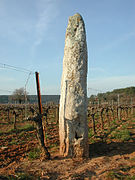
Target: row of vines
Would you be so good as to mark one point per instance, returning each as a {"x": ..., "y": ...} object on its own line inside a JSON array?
[{"x": 18, "y": 134}]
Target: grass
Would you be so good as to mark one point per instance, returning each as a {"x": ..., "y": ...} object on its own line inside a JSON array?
[
  {"x": 114, "y": 122},
  {"x": 27, "y": 127},
  {"x": 130, "y": 178},
  {"x": 115, "y": 174},
  {"x": 90, "y": 133},
  {"x": 125, "y": 126},
  {"x": 1, "y": 132},
  {"x": 133, "y": 120},
  {"x": 91, "y": 136},
  {"x": 123, "y": 135},
  {"x": 27, "y": 135},
  {"x": 34, "y": 154},
  {"x": 112, "y": 175},
  {"x": 54, "y": 145},
  {"x": 13, "y": 142},
  {"x": 23, "y": 176},
  {"x": 18, "y": 176},
  {"x": 132, "y": 159}
]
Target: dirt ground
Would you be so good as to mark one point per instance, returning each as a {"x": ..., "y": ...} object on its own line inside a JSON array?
[{"x": 112, "y": 157}]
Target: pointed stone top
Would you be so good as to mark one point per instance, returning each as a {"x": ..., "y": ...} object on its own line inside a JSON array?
[
  {"x": 75, "y": 27},
  {"x": 75, "y": 17}
]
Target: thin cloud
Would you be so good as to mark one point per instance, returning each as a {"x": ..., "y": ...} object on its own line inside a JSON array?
[
  {"x": 22, "y": 27},
  {"x": 47, "y": 12},
  {"x": 96, "y": 69},
  {"x": 2, "y": 9},
  {"x": 14, "y": 24},
  {"x": 110, "y": 83},
  {"x": 118, "y": 41},
  {"x": 4, "y": 79}
]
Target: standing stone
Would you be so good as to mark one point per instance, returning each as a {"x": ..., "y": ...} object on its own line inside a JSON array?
[{"x": 73, "y": 128}]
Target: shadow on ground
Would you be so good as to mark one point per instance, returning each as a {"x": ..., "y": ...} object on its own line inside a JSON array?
[{"x": 115, "y": 148}]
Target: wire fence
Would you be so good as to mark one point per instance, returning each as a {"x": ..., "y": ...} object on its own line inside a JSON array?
[
  {"x": 28, "y": 73},
  {"x": 27, "y": 82}
]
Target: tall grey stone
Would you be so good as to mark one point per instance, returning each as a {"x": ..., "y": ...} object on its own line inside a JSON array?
[{"x": 73, "y": 128}]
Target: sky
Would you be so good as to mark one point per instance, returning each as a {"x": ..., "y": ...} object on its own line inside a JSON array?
[{"x": 32, "y": 36}]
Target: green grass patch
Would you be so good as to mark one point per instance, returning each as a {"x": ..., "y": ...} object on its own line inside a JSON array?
[
  {"x": 21, "y": 134},
  {"x": 12, "y": 130},
  {"x": 13, "y": 142},
  {"x": 54, "y": 145},
  {"x": 114, "y": 122},
  {"x": 91, "y": 136},
  {"x": 130, "y": 178},
  {"x": 1, "y": 132},
  {"x": 90, "y": 133},
  {"x": 123, "y": 135},
  {"x": 133, "y": 115},
  {"x": 27, "y": 127},
  {"x": 92, "y": 141},
  {"x": 97, "y": 116},
  {"x": 34, "y": 154},
  {"x": 124, "y": 126},
  {"x": 18, "y": 176},
  {"x": 133, "y": 120},
  {"x": 9, "y": 131},
  {"x": 132, "y": 159},
  {"x": 23, "y": 176},
  {"x": 26, "y": 135},
  {"x": 115, "y": 175},
  {"x": 46, "y": 136}
]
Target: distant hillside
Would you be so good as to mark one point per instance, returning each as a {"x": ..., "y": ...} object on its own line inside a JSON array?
[
  {"x": 125, "y": 95},
  {"x": 4, "y": 99}
]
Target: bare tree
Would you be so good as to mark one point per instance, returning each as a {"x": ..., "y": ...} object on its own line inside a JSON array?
[{"x": 19, "y": 95}]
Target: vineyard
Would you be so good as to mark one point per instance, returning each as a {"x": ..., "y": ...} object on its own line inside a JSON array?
[{"x": 111, "y": 144}]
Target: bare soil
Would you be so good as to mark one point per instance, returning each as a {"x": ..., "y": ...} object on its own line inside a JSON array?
[{"x": 111, "y": 156}]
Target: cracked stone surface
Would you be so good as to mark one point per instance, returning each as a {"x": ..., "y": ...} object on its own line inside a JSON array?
[{"x": 73, "y": 130}]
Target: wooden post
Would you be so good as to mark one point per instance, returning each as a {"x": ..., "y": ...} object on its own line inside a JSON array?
[
  {"x": 14, "y": 112},
  {"x": 93, "y": 122},
  {"x": 39, "y": 123},
  {"x": 101, "y": 118},
  {"x": 38, "y": 93},
  {"x": 107, "y": 115},
  {"x": 57, "y": 114}
]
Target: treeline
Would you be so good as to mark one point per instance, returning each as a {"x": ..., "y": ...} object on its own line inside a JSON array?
[
  {"x": 5, "y": 99},
  {"x": 123, "y": 96}
]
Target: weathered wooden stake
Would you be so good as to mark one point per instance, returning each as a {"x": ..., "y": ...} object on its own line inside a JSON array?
[
  {"x": 38, "y": 93},
  {"x": 15, "y": 115},
  {"x": 57, "y": 114},
  {"x": 39, "y": 123},
  {"x": 93, "y": 123},
  {"x": 101, "y": 118},
  {"x": 107, "y": 115}
]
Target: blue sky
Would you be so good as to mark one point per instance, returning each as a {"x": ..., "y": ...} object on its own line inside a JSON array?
[{"x": 32, "y": 35}]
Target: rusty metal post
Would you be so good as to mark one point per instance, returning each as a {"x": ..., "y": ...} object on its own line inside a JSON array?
[
  {"x": 38, "y": 93},
  {"x": 39, "y": 123}
]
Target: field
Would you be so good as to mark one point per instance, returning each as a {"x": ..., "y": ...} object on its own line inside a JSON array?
[{"x": 111, "y": 145}]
